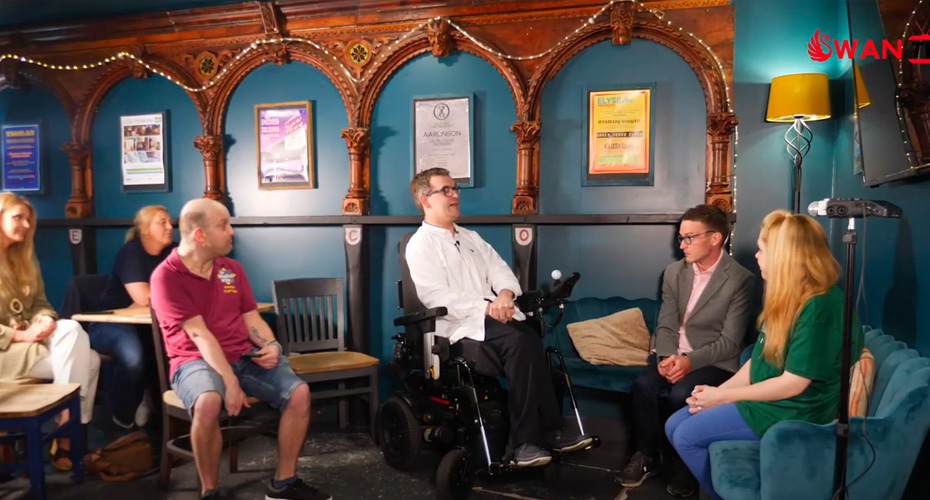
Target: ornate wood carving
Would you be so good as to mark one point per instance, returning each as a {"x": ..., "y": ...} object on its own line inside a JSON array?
[
  {"x": 719, "y": 190},
  {"x": 206, "y": 64},
  {"x": 524, "y": 200},
  {"x": 271, "y": 18},
  {"x": 621, "y": 22},
  {"x": 357, "y": 142},
  {"x": 211, "y": 148},
  {"x": 80, "y": 203},
  {"x": 437, "y": 31},
  {"x": 9, "y": 72}
]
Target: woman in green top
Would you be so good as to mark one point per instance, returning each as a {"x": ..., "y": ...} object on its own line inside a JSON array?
[{"x": 794, "y": 372}]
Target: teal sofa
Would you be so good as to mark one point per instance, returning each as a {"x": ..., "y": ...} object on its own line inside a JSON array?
[
  {"x": 584, "y": 374},
  {"x": 794, "y": 460}
]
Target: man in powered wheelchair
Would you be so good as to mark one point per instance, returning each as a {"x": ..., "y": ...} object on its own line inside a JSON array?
[{"x": 462, "y": 330}]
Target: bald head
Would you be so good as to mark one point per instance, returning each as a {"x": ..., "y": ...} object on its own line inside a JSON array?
[{"x": 198, "y": 214}]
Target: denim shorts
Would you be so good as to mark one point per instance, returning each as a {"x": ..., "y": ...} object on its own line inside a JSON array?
[{"x": 273, "y": 386}]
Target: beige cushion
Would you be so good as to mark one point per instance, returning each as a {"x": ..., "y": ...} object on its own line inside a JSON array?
[
  {"x": 861, "y": 379},
  {"x": 618, "y": 339}
]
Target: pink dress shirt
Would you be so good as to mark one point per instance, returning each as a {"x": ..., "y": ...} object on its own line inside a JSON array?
[{"x": 701, "y": 278}]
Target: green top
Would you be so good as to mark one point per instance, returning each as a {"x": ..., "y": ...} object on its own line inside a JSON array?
[{"x": 812, "y": 352}]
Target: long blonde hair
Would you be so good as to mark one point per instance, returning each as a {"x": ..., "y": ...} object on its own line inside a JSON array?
[
  {"x": 144, "y": 218},
  {"x": 798, "y": 266},
  {"x": 19, "y": 274}
]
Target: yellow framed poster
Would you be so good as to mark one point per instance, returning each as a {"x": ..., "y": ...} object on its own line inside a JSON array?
[{"x": 619, "y": 140}]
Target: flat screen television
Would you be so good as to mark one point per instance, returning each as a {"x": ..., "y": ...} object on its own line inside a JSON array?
[{"x": 891, "y": 43}]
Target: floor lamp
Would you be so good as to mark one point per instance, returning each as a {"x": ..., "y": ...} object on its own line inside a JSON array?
[{"x": 797, "y": 99}]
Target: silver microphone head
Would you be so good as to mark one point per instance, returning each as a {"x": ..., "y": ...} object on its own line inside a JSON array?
[{"x": 556, "y": 274}]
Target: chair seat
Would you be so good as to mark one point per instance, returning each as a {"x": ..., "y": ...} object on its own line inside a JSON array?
[
  {"x": 734, "y": 467},
  {"x": 334, "y": 361},
  {"x": 171, "y": 398}
]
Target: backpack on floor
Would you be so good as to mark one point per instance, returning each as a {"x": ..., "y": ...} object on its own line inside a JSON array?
[{"x": 125, "y": 459}]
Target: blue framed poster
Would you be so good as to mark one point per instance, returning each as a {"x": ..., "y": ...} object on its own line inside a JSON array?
[{"x": 21, "y": 170}]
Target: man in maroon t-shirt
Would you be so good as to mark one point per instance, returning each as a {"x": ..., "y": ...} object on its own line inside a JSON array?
[{"x": 209, "y": 320}]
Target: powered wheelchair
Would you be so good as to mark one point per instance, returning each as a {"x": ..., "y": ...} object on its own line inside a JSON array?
[{"x": 452, "y": 399}]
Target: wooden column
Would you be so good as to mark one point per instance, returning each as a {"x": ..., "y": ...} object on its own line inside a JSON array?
[
  {"x": 357, "y": 142},
  {"x": 719, "y": 134},
  {"x": 80, "y": 203},
  {"x": 211, "y": 147},
  {"x": 524, "y": 200}
]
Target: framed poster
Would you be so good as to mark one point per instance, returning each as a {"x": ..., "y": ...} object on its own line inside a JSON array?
[
  {"x": 144, "y": 156},
  {"x": 618, "y": 147},
  {"x": 283, "y": 136},
  {"x": 442, "y": 130},
  {"x": 22, "y": 165}
]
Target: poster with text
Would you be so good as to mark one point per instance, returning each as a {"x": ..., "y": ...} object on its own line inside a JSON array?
[
  {"x": 442, "y": 136},
  {"x": 283, "y": 137},
  {"x": 21, "y": 166},
  {"x": 619, "y": 125},
  {"x": 143, "y": 152}
]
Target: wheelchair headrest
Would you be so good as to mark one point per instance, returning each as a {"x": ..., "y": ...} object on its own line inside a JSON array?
[{"x": 409, "y": 297}]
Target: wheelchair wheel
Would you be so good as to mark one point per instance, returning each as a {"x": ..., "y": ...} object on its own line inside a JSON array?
[
  {"x": 455, "y": 475},
  {"x": 399, "y": 434}
]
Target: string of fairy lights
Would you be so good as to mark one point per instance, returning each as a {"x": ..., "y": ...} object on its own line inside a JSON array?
[
  {"x": 897, "y": 94},
  {"x": 275, "y": 40}
]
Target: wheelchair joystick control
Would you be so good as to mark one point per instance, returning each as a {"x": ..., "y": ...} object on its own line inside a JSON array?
[{"x": 556, "y": 275}]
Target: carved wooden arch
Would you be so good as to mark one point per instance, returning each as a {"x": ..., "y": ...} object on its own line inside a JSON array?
[
  {"x": 84, "y": 118},
  {"x": 51, "y": 85},
  {"x": 720, "y": 120},
  {"x": 914, "y": 93},
  {"x": 213, "y": 124},
  {"x": 420, "y": 44}
]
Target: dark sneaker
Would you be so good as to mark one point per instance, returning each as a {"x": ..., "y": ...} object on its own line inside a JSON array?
[
  {"x": 640, "y": 468},
  {"x": 298, "y": 490},
  {"x": 568, "y": 444},
  {"x": 530, "y": 455},
  {"x": 214, "y": 495},
  {"x": 682, "y": 483}
]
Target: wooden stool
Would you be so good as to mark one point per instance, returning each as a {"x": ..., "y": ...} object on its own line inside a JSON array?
[{"x": 24, "y": 408}]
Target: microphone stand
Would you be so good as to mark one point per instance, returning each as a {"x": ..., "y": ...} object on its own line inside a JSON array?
[{"x": 842, "y": 424}]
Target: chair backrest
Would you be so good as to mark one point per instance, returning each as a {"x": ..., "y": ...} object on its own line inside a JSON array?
[
  {"x": 884, "y": 373},
  {"x": 161, "y": 359},
  {"x": 83, "y": 294},
  {"x": 408, "y": 291},
  {"x": 310, "y": 314}
]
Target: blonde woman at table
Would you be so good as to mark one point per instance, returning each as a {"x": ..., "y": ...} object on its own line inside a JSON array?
[
  {"x": 148, "y": 242},
  {"x": 33, "y": 343}
]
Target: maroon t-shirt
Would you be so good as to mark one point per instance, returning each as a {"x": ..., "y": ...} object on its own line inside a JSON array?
[{"x": 178, "y": 295}]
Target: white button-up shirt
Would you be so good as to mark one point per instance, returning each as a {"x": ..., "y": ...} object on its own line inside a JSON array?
[{"x": 461, "y": 273}]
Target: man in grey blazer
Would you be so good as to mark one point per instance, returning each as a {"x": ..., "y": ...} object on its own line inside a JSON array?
[{"x": 706, "y": 308}]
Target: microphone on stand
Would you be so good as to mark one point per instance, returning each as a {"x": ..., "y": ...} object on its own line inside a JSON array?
[{"x": 853, "y": 207}]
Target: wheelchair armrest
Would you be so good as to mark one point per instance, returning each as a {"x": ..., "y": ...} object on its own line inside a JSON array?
[{"x": 417, "y": 317}]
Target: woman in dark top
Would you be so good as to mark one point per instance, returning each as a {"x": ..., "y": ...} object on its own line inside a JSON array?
[
  {"x": 148, "y": 242},
  {"x": 794, "y": 372}
]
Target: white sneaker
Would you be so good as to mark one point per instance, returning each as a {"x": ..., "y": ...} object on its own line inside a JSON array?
[{"x": 144, "y": 411}]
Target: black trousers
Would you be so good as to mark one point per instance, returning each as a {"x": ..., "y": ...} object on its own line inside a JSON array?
[
  {"x": 531, "y": 396},
  {"x": 649, "y": 415}
]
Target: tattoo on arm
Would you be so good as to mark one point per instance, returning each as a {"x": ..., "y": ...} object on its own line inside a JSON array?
[{"x": 253, "y": 332}]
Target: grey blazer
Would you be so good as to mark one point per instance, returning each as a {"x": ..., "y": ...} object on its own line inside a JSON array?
[{"x": 717, "y": 324}]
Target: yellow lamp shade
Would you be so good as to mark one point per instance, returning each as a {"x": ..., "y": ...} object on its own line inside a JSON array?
[
  {"x": 804, "y": 95},
  {"x": 862, "y": 94}
]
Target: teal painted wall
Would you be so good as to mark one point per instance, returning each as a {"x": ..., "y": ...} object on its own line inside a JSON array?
[{"x": 31, "y": 105}]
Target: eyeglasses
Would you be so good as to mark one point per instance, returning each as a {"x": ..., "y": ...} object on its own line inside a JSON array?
[
  {"x": 689, "y": 239},
  {"x": 446, "y": 190}
]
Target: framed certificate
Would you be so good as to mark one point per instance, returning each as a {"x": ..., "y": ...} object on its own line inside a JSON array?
[
  {"x": 442, "y": 130},
  {"x": 618, "y": 146},
  {"x": 22, "y": 159},
  {"x": 143, "y": 158},
  {"x": 284, "y": 140}
]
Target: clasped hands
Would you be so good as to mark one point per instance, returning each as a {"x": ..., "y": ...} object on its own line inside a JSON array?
[
  {"x": 674, "y": 368},
  {"x": 502, "y": 309},
  {"x": 704, "y": 397},
  {"x": 41, "y": 327}
]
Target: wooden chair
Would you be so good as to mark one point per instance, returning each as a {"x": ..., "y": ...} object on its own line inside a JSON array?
[
  {"x": 24, "y": 408},
  {"x": 83, "y": 295},
  {"x": 311, "y": 329},
  {"x": 173, "y": 412}
]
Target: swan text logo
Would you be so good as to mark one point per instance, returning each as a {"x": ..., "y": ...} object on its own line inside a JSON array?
[{"x": 821, "y": 47}]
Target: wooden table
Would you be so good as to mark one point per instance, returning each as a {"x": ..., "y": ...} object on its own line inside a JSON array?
[
  {"x": 24, "y": 408},
  {"x": 137, "y": 315}
]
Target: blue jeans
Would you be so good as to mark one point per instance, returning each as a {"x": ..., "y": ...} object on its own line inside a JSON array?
[
  {"x": 691, "y": 435},
  {"x": 133, "y": 361},
  {"x": 273, "y": 386}
]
